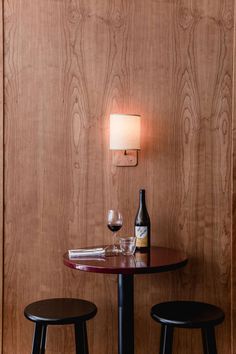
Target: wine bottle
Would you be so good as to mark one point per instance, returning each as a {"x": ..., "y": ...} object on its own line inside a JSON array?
[{"x": 142, "y": 225}]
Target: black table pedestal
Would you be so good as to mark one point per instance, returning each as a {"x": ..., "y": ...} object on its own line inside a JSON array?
[{"x": 126, "y": 314}]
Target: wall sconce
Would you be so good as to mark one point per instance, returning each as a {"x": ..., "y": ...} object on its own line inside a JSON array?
[{"x": 125, "y": 139}]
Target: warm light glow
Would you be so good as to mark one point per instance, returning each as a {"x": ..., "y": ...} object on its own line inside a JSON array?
[{"x": 124, "y": 132}]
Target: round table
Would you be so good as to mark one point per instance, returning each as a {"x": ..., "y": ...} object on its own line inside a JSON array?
[{"x": 159, "y": 259}]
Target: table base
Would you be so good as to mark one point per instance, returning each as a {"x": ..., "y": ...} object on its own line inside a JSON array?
[{"x": 126, "y": 314}]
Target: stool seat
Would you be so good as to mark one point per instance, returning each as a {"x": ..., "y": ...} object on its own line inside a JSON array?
[
  {"x": 60, "y": 311},
  {"x": 186, "y": 314}
]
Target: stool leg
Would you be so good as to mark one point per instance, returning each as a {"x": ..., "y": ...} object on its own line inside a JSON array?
[
  {"x": 37, "y": 338},
  {"x": 209, "y": 340},
  {"x": 81, "y": 339},
  {"x": 166, "y": 340},
  {"x": 43, "y": 340}
]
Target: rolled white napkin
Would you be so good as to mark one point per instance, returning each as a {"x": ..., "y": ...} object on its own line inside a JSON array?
[{"x": 86, "y": 252}]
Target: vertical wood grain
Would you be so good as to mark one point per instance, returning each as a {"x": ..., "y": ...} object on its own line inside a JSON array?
[
  {"x": 68, "y": 65},
  {"x": 1, "y": 172},
  {"x": 233, "y": 242},
  {"x": 203, "y": 111}
]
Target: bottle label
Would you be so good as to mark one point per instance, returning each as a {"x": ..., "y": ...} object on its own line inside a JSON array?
[{"x": 141, "y": 233}]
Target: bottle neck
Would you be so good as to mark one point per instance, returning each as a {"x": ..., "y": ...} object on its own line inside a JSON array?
[{"x": 142, "y": 199}]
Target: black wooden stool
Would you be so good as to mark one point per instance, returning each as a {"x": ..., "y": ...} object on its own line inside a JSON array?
[
  {"x": 187, "y": 314},
  {"x": 60, "y": 312}
]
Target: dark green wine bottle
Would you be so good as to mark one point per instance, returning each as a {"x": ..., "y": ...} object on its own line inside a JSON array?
[{"x": 142, "y": 225}]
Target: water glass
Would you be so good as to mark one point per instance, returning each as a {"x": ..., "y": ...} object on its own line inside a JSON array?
[{"x": 127, "y": 245}]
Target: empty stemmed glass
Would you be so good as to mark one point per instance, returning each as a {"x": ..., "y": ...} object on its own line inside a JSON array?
[{"x": 114, "y": 223}]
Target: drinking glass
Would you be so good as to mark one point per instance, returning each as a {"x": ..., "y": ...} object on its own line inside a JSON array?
[
  {"x": 114, "y": 223},
  {"x": 127, "y": 245}
]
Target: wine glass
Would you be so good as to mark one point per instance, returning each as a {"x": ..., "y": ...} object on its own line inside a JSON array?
[{"x": 114, "y": 223}]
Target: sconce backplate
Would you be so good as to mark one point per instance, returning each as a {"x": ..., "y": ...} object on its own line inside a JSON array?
[{"x": 128, "y": 158}]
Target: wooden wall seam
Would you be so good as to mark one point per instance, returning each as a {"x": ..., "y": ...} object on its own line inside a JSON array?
[
  {"x": 2, "y": 170},
  {"x": 233, "y": 193}
]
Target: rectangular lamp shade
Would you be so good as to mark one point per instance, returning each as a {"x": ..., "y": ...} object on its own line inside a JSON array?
[{"x": 124, "y": 132}]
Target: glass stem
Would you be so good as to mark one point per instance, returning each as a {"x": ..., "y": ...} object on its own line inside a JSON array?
[{"x": 114, "y": 239}]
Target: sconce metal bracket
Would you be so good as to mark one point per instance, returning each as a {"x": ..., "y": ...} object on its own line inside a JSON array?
[{"x": 127, "y": 158}]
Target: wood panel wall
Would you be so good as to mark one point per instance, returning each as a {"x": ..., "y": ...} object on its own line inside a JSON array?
[
  {"x": 67, "y": 66},
  {"x": 1, "y": 171}
]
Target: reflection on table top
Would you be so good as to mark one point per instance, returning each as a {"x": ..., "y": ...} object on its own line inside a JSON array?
[{"x": 159, "y": 259}]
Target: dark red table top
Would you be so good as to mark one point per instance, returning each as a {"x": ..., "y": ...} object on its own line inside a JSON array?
[{"x": 160, "y": 259}]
